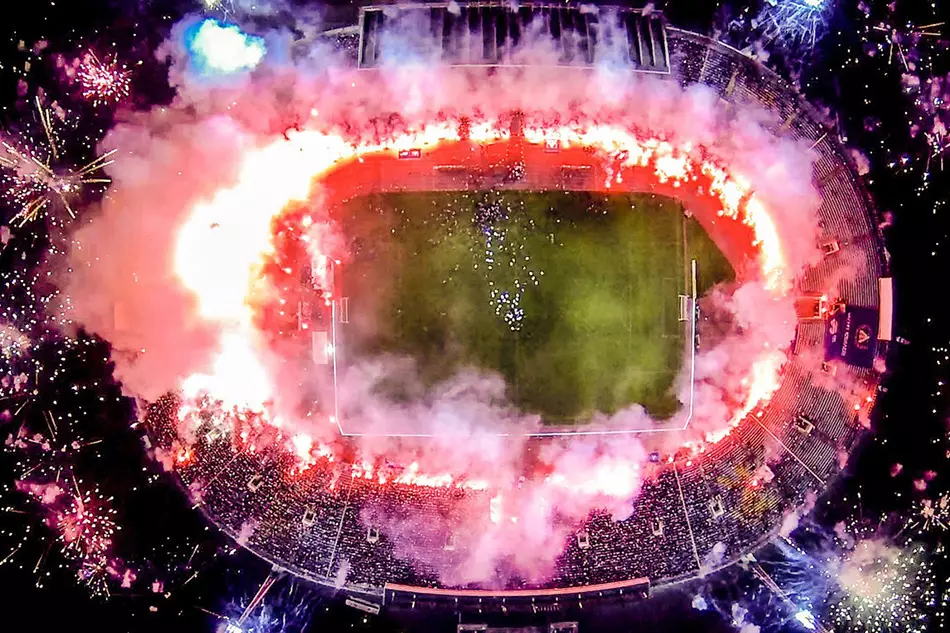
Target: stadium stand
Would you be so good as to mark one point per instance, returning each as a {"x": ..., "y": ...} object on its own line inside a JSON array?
[{"x": 694, "y": 516}]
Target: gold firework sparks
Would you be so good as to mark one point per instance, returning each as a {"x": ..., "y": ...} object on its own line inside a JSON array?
[
  {"x": 897, "y": 37},
  {"x": 38, "y": 178}
]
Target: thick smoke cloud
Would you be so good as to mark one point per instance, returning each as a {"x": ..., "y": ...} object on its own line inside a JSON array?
[
  {"x": 122, "y": 281},
  {"x": 124, "y": 287}
]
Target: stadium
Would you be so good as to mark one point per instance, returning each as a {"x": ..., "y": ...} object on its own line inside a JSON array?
[{"x": 701, "y": 505}]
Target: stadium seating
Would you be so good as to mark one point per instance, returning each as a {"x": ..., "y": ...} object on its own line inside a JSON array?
[{"x": 316, "y": 523}]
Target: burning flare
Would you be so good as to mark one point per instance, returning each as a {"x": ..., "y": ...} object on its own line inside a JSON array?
[{"x": 223, "y": 246}]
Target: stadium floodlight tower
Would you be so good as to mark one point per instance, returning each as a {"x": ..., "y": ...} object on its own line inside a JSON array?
[{"x": 492, "y": 34}]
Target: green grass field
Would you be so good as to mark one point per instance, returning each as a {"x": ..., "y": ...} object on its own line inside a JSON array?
[{"x": 597, "y": 277}]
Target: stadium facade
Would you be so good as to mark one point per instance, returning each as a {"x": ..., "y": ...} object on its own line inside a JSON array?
[{"x": 692, "y": 506}]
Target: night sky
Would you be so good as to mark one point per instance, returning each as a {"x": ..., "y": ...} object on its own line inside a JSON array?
[{"x": 188, "y": 576}]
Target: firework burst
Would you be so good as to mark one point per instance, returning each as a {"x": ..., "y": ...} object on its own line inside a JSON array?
[
  {"x": 883, "y": 587},
  {"x": 37, "y": 177},
  {"x": 225, "y": 8},
  {"x": 84, "y": 524},
  {"x": 934, "y": 515},
  {"x": 904, "y": 39},
  {"x": 86, "y": 529},
  {"x": 103, "y": 81},
  {"x": 87, "y": 526},
  {"x": 794, "y": 22}
]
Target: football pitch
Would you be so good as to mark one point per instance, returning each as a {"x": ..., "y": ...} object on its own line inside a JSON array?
[{"x": 572, "y": 297}]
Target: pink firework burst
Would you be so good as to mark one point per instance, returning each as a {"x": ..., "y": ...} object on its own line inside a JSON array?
[
  {"x": 87, "y": 527},
  {"x": 103, "y": 81}
]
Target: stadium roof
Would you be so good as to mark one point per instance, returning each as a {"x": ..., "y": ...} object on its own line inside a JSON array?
[{"x": 501, "y": 34}]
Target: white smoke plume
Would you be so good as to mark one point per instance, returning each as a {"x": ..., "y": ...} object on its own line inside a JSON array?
[
  {"x": 793, "y": 517},
  {"x": 246, "y": 532}
]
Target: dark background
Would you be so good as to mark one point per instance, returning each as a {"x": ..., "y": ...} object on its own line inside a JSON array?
[{"x": 160, "y": 533}]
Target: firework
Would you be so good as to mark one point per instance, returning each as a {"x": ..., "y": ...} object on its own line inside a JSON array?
[
  {"x": 938, "y": 148},
  {"x": 857, "y": 578},
  {"x": 794, "y": 22},
  {"x": 84, "y": 523},
  {"x": 104, "y": 81},
  {"x": 933, "y": 514},
  {"x": 86, "y": 529},
  {"x": 216, "y": 5},
  {"x": 903, "y": 38},
  {"x": 37, "y": 176},
  {"x": 13, "y": 343},
  {"x": 87, "y": 526},
  {"x": 883, "y": 587}
]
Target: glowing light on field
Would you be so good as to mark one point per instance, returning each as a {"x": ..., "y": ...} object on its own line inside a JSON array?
[
  {"x": 218, "y": 48},
  {"x": 761, "y": 384},
  {"x": 184, "y": 456},
  {"x": 412, "y": 477},
  {"x": 764, "y": 379},
  {"x": 223, "y": 243}
]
